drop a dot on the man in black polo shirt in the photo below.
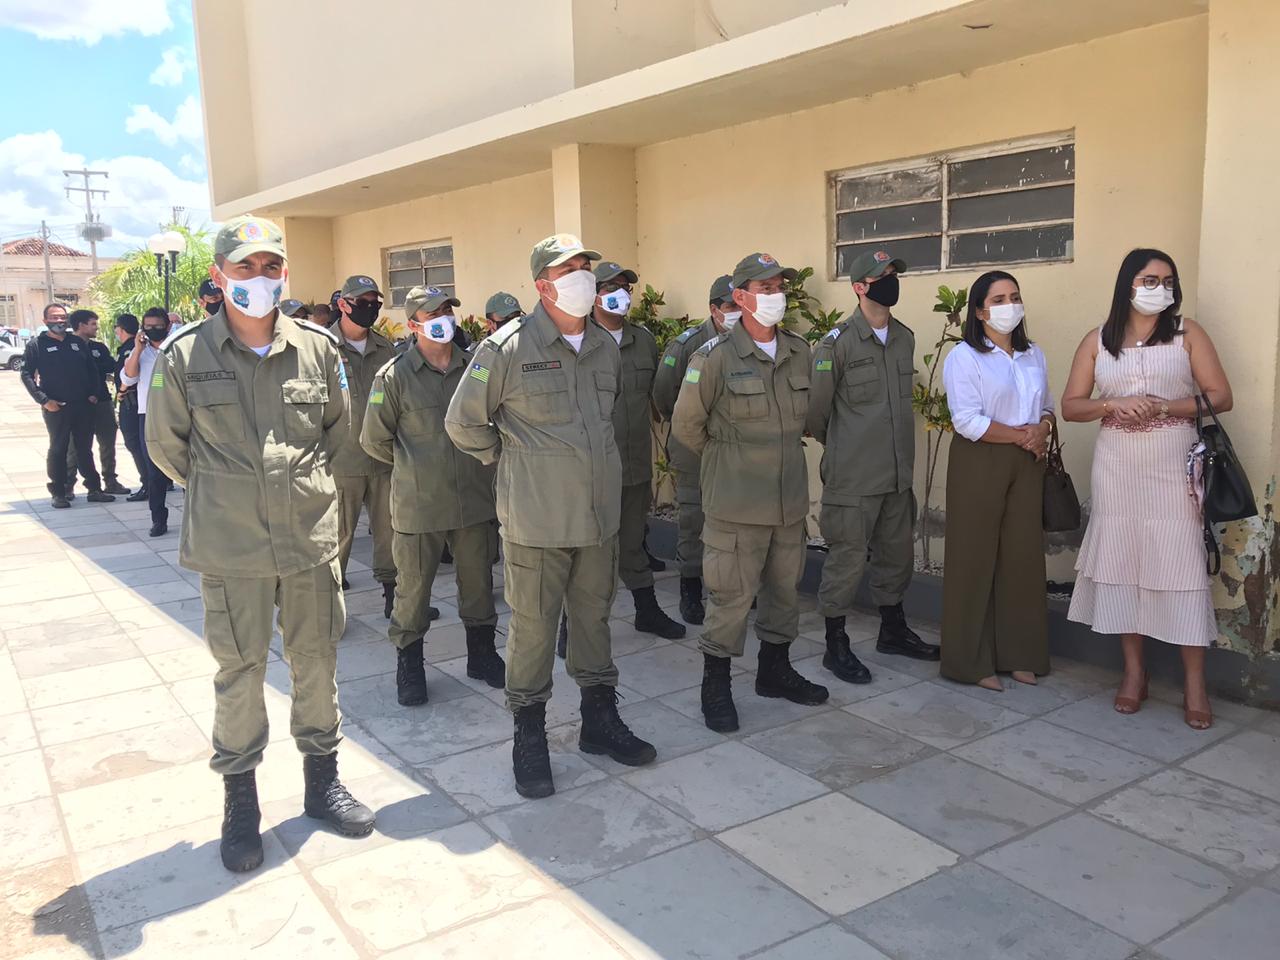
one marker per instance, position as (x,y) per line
(84,325)
(58,372)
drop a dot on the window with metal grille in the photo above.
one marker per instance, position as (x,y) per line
(1011,203)
(422,264)
(8,310)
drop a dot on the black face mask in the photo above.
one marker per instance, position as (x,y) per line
(155,334)
(365,313)
(212,308)
(884,291)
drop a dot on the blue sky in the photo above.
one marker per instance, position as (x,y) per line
(110,83)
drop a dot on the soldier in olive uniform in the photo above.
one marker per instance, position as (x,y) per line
(244,410)
(439,495)
(362,480)
(666,387)
(860,408)
(501,309)
(539,400)
(742,407)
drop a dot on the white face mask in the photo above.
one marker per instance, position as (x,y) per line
(439,329)
(618,302)
(770,309)
(729,318)
(1005,317)
(575,292)
(1151,302)
(254,297)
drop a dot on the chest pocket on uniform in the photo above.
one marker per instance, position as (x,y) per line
(423,419)
(639,381)
(215,410)
(607,390)
(906,370)
(799,384)
(747,399)
(304,402)
(544,398)
(861,381)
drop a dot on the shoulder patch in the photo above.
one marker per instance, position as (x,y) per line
(833,335)
(178,335)
(710,345)
(686,335)
(692,375)
(498,339)
(310,327)
(669,360)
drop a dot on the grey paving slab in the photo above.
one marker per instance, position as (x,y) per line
(44,915)
(697,902)
(1053,690)
(1157,730)
(1250,760)
(660,670)
(126,753)
(17,733)
(1246,928)
(838,749)
(24,776)
(883,679)
(402,892)
(1056,761)
(974,912)
(1126,883)
(838,853)
(672,733)
(86,682)
(591,830)
(1237,830)
(724,785)
(755,713)
(830,941)
(119,711)
(101,649)
(935,715)
(957,804)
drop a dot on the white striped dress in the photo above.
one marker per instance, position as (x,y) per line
(1141,568)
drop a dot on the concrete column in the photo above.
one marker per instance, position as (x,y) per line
(594,188)
(309,243)
(1239,300)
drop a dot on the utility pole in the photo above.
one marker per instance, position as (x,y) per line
(44,249)
(176,212)
(88,192)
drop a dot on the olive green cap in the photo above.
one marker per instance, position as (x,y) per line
(759,266)
(555,250)
(721,289)
(358,285)
(245,235)
(427,298)
(607,270)
(503,304)
(290,307)
(873,263)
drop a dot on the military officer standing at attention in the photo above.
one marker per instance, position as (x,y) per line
(501,309)
(539,400)
(666,387)
(244,410)
(742,407)
(860,408)
(438,494)
(363,481)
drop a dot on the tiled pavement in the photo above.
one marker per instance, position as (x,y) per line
(910,818)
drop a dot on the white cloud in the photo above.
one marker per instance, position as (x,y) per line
(142,192)
(187,124)
(190,163)
(174,64)
(86,21)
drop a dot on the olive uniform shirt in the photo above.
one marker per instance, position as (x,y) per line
(666,388)
(744,413)
(860,408)
(434,486)
(251,438)
(350,458)
(633,413)
(544,412)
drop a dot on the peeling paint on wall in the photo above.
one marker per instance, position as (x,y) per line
(1247,591)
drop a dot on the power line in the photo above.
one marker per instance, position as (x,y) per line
(92,228)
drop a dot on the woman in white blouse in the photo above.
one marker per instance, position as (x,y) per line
(994,611)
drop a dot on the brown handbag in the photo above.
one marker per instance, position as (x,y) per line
(1061,505)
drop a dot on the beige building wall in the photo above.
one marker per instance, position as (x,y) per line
(1137,183)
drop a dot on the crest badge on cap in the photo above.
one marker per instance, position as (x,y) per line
(434,292)
(881,256)
(364,281)
(251,232)
(511,301)
(767,260)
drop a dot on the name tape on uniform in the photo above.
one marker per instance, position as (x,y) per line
(542,365)
(204,376)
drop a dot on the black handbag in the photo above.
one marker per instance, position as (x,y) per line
(1227,494)
(1061,505)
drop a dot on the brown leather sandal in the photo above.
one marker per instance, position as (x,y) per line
(1128,705)
(1196,719)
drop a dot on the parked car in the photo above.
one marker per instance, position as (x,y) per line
(10,356)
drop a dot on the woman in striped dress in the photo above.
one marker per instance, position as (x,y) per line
(1141,568)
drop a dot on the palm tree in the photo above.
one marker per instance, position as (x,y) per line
(132,284)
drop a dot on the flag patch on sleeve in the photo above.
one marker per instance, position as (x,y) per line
(822,365)
(157,380)
(669,361)
(693,375)
(479,373)
(375,397)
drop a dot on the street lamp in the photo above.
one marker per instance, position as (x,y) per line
(166,246)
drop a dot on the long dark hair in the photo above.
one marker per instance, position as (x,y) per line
(974,334)
(1168,324)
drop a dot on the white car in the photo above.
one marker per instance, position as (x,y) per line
(10,356)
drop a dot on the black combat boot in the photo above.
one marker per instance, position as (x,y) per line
(529,759)
(839,659)
(483,662)
(691,609)
(96,496)
(651,618)
(138,496)
(241,846)
(327,799)
(562,639)
(411,676)
(897,637)
(115,486)
(718,711)
(388,599)
(60,503)
(776,677)
(603,731)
